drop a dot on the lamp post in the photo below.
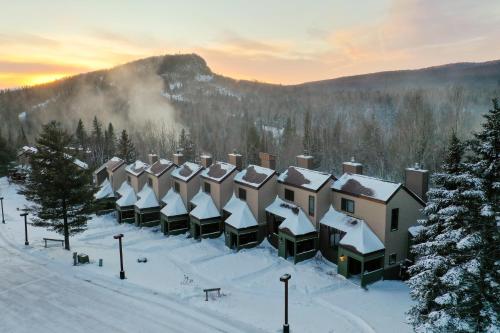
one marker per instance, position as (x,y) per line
(122,272)
(284,278)
(25,228)
(1,204)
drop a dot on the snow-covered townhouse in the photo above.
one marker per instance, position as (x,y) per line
(245,214)
(365,231)
(216,188)
(185,184)
(108,177)
(147,208)
(293,217)
(136,178)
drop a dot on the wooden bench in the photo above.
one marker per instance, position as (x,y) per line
(209,290)
(53,240)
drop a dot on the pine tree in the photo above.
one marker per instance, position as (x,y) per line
(22,140)
(97,141)
(126,149)
(61,192)
(81,135)
(7,155)
(252,144)
(485,164)
(307,139)
(109,142)
(444,276)
(187,145)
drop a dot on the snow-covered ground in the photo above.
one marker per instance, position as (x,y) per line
(39,287)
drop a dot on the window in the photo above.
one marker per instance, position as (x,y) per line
(335,236)
(347,205)
(207,187)
(129,180)
(394,219)
(242,194)
(177,187)
(392,259)
(289,195)
(150,182)
(311,205)
(305,246)
(248,238)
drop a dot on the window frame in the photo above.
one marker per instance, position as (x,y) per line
(177,187)
(289,192)
(244,192)
(344,205)
(391,256)
(313,208)
(206,186)
(150,181)
(395,210)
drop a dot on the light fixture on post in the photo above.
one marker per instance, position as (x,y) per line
(284,278)
(122,272)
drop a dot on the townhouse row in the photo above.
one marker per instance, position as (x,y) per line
(362,224)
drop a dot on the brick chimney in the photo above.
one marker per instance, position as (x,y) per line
(152,158)
(267,161)
(236,159)
(417,181)
(352,167)
(179,158)
(206,160)
(305,161)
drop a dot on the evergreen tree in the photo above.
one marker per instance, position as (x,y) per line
(97,140)
(126,149)
(7,155)
(81,135)
(22,140)
(61,191)
(109,142)
(307,140)
(444,277)
(485,164)
(187,145)
(252,144)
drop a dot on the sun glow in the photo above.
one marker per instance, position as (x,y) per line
(43,78)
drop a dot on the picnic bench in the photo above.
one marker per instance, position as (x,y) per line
(53,240)
(210,290)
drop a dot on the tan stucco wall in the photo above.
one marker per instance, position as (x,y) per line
(301,199)
(220,192)
(374,213)
(137,183)
(161,184)
(267,193)
(117,177)
(409,213)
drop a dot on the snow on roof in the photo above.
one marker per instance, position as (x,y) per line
(128,197)
(105,191)
(114,163)
(414,230)
(304,178)
(297,223)
(352,163)
(281,207)
(359,185)
(124,188)
(28,149)
(186,171)
(358,233)
(218,171)
(80,163)
(241,216)
(137,168)
(101,168)
(254,175)
(159,167)
(174,204)
(205,207)
(147,198)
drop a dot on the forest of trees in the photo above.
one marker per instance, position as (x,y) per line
(386,121)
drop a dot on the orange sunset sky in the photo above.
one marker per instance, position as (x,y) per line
(275,41)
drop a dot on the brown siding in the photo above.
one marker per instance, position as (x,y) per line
(117,177)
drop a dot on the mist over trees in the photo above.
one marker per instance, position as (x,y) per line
(387,121)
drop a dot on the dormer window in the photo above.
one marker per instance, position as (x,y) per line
(206,187)
(150,182)
(289,195)
(129,179)
(177,187)
(242,194)
(347,205)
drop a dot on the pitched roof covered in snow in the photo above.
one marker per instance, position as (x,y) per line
(187,171)
(105,191)
(254,176)
(27,150)
(310,180)
(137,168)
(241,216)
(128,197)
(159,167)
(218,171)
(174,206)
(114,163)
(358,234)
(364,186)
(124,188)
(147,198)
(205,206)
(297,224)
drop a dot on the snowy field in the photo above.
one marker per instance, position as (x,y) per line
(41,291)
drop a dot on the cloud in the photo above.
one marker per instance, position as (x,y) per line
(29,39)
(7,66)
